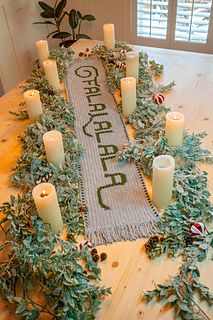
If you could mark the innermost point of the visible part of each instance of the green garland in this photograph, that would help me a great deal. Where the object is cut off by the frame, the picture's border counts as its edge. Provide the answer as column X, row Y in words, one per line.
column 63, row 275
column 191, row 196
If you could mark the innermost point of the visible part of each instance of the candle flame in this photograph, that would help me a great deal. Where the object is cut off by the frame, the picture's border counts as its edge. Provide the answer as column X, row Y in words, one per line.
column 32, row 93
column 176, row 117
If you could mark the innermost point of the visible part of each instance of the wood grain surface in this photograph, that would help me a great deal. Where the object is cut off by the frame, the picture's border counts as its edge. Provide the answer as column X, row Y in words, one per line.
column 127, row 269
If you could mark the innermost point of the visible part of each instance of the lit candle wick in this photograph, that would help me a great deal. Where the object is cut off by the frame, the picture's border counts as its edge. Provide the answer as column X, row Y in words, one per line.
column 43, row 194
column 32, row 93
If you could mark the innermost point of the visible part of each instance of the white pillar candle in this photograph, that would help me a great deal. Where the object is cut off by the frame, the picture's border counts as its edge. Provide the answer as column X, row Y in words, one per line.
column 51, row 73
column 128, row 94
column 54, row 149
column 174, row 128
column 45, row 198
column 132, row 64
column 43, row 51
column 162, row 180
column 109, row 35
column 33, row 103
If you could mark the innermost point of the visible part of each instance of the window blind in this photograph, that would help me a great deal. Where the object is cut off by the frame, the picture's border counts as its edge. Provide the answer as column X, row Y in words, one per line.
column 192, row 20
column 152, row 17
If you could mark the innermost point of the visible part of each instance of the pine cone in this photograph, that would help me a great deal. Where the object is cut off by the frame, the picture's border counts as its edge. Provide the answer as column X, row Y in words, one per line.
column 151, row 243
column 188, row 239
column 94, row 251
column 103, row 256
column 95, row 257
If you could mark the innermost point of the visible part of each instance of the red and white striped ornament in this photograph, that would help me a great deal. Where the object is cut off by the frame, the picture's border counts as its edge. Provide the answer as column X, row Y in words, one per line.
column 85, row 243
column 197, row 229
column 123, row 52
column 158, row 98
column 120, row 65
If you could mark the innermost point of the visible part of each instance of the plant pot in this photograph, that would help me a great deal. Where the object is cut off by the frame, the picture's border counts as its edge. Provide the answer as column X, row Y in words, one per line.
column 66, row 43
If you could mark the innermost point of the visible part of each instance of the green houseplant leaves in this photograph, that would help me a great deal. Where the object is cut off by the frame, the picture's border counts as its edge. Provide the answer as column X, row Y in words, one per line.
column 57, row 14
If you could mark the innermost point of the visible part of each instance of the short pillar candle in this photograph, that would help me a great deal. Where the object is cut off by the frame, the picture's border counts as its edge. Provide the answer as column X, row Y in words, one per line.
column 128, row 95
column 33, row 103
column 54, row 149
column 109, row 35
column 174, row 128
column 162, row 180
column 132, row 64
column 45, row 198
column 51, row 73
column 43, row 51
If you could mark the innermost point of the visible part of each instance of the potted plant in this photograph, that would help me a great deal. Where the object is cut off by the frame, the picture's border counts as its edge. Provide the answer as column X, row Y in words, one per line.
column 56, row 14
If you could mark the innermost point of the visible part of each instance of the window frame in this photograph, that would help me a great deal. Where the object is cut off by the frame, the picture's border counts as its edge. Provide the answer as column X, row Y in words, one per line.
column 170, row 42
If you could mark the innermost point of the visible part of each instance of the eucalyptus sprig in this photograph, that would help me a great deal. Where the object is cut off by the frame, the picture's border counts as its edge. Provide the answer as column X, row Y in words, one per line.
column 63, row 274
column 191, row 203
column 179, row 292
column 34, row 256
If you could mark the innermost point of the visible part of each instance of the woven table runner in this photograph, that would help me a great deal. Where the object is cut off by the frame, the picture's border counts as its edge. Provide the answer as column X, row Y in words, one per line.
column 118, row 203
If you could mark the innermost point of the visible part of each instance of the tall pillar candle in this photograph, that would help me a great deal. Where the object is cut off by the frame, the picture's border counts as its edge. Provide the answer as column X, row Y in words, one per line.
column 51, row 73
column 45, row 198
column 128, row 94
column 33, row 103
column 162, row 180
column 43, row 51
column 132, row 64
column 174, row 128
column 54, row 149
column 109, row 35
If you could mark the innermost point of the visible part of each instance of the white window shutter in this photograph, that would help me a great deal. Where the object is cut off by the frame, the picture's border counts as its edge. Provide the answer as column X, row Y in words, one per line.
column 152, row 18
column 192, row 20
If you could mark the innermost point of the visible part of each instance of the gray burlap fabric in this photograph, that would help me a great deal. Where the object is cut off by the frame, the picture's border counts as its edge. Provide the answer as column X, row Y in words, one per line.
column 115, row 194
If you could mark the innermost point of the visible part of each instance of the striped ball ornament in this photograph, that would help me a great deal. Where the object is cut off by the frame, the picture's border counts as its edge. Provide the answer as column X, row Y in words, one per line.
column 85, row 244
column 158, row 98
column 197, row 229
column 119, row 64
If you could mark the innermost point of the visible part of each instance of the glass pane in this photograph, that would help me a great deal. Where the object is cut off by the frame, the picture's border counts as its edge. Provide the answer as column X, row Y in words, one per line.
column 192, row 20
column 152, row 16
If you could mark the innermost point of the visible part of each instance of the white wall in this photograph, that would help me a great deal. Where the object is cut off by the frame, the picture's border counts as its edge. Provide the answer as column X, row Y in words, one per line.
column 17, row 39
column 105, row 11
column 18, row 34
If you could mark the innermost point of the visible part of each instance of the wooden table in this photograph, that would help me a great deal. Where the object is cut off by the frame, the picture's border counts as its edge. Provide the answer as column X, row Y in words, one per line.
column 193, row 96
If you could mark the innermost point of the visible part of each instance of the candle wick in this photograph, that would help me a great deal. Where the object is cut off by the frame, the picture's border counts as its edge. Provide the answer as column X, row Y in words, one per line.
column 43, row 194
